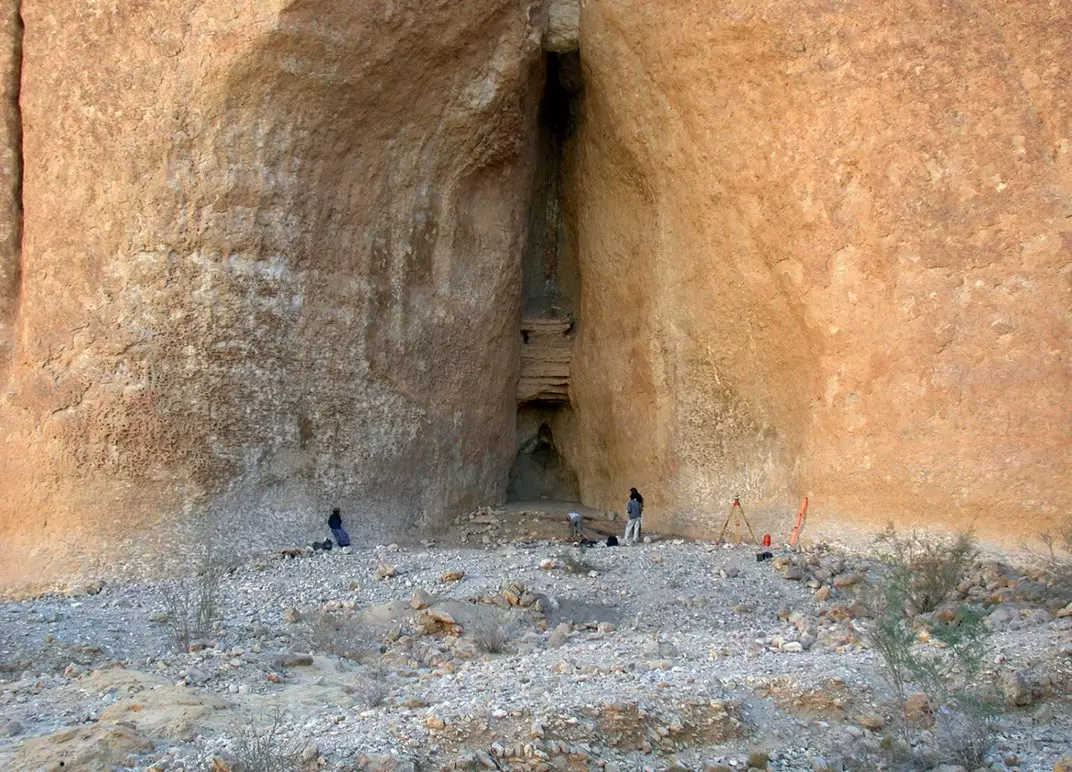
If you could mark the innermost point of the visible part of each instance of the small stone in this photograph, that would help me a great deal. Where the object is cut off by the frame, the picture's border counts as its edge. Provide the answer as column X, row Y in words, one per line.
column 294, row 659
column 159, row 617
column 794, row 572
column 1064, row 764
column 291, row 615
column 386, row 571
column 822, row 593
column 421, row 599
column 548, row 563
column 1015, row 689
column 435, row 722
column 846, row 580
column 452, row 576
column 311, row 753
column 559, row 636
column 758, row 759
column 440, row 617
column 871, row 721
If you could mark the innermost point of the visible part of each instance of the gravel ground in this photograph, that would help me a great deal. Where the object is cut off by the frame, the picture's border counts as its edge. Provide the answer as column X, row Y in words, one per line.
column 673, row 654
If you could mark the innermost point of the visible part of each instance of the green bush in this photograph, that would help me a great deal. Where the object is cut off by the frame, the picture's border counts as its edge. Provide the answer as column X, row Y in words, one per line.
column 943, row 660
column 927, row 567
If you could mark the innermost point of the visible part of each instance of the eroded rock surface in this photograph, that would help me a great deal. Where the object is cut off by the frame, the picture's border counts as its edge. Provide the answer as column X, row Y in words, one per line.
column 263, row 259
column 271, row 265
column 825, row 250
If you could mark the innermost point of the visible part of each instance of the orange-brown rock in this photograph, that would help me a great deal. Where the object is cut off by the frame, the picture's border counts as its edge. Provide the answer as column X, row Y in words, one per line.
column 260, row 259
column 10, row 176
column 826, row 250
column 271, row 265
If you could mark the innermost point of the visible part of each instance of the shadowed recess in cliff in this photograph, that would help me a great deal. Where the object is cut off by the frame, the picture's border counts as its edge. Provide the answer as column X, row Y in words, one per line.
column 11, row 32
column 550, row 291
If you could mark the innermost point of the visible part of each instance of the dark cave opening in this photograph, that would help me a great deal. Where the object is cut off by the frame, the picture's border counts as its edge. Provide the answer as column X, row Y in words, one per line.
column 550, row 294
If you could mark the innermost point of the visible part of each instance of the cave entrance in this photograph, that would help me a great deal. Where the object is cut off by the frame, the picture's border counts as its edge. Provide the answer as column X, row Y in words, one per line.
column 550, row 296
column 540, row 472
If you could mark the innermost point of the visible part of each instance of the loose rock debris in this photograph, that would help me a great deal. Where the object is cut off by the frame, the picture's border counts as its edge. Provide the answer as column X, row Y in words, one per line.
column 672, row 655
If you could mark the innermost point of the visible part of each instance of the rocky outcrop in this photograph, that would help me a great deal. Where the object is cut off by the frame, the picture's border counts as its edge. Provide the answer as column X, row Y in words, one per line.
column 826, row 251
column 545, row 360
column 261, row 260
column 272, row 264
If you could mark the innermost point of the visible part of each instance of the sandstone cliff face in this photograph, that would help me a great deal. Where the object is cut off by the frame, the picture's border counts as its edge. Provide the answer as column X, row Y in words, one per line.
column 260, row 259
column 271, row 264
column 826, row 250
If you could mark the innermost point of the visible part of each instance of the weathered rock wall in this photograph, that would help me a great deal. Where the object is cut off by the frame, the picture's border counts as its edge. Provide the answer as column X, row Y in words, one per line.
column 825, row 250
column 10, row 176
column 259, row 259
column 272, row 264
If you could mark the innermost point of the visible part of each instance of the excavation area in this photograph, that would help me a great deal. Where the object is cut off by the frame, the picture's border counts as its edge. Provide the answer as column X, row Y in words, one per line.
column 504, row 646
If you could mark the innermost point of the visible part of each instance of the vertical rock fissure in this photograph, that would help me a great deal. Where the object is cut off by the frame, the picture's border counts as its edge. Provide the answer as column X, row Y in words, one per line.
column 11, row 174
column 550, row 295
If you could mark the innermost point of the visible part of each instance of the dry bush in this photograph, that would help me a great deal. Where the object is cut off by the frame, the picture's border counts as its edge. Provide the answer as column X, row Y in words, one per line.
column 344, row 635
column 492, row 631
column 371, row 690
column 927, row 566
column 193, row 604
column 572, row 563
column 1055, row 559
column 263, row 749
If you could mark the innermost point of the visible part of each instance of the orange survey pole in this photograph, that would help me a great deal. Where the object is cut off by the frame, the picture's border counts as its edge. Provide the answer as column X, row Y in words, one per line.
column 801, row 515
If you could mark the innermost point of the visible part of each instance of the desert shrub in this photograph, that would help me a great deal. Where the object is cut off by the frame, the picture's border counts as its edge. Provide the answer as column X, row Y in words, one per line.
column 371, row 689
column 192, row 604
column 947, row 672
column 572, row 563
column 264, row 749
column 491, row 632
column 1055, row 558
column 926, row 567
column 344, row 635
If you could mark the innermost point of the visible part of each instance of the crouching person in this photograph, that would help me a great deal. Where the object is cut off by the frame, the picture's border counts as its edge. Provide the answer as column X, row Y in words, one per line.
column 576, row 525
column 335, row 524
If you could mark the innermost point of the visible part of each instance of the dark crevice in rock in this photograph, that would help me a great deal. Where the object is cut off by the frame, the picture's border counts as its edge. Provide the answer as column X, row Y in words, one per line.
column 11, row 197
column 540, row 471
column 550, row 293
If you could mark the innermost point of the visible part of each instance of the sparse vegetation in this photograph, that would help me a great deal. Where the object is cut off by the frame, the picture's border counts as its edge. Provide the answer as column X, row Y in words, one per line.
column 572, row 563
column 371, row 691
column 344, row 635
column 1055, row 559
column 193, row 604
column 263, row 749
column 926, row 567
column 947, row 673
column 491, row 632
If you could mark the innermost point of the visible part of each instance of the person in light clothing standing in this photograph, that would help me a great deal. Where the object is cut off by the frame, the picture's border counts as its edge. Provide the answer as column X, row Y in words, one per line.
column 635, row 510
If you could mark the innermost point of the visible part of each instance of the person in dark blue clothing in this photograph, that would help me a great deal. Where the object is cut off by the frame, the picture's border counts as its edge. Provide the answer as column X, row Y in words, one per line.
column 335, row 524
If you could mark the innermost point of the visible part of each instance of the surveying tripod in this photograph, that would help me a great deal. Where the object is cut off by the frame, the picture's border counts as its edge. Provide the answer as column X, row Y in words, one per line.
column 736, row 511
